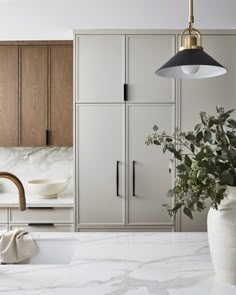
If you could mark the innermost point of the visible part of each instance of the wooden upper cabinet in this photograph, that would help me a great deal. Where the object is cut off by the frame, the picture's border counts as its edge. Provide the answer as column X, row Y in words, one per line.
column 61, row 96
column 33, row 95
column 9, row 96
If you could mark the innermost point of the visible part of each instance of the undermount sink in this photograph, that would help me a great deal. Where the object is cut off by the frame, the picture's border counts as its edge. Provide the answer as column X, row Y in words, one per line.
column 54, row 251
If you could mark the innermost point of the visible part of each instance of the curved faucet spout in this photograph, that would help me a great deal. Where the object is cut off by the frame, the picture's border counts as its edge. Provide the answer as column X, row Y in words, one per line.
column 19, row 185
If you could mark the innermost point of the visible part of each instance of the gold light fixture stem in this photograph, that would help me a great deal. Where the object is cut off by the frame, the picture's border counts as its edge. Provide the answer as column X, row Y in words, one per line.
column 191, row 17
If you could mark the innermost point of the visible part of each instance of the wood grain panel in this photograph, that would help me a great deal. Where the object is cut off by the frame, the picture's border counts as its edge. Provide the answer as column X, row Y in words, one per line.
column 61, row 96
column 8, row 96
column 33, row 95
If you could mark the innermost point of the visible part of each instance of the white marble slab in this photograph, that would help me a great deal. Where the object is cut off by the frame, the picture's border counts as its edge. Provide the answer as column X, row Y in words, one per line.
column 11, row 200
column 29, row 163
column 122, row 264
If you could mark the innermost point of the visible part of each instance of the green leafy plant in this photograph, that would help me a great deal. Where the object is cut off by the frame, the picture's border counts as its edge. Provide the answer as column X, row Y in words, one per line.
column 206, row 160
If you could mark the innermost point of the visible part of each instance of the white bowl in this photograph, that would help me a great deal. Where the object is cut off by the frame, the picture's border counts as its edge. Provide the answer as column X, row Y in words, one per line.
column 47, row 188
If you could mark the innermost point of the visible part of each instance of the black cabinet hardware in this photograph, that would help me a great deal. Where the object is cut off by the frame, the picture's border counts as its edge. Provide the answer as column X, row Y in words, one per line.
column 40, row 208
column 125, row 92
column 117, row 179
column 133, row 178
column 40, row 224
column 47, row 137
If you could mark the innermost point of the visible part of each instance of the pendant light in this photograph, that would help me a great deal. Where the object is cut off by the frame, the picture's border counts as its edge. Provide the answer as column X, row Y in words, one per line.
column 191, row 62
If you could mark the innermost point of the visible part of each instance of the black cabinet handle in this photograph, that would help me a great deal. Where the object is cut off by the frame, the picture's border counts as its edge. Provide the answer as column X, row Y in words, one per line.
column 117, row 179
column 125, row 92
column 47, row 137
column 40, row 208
column 133, row 178
column 40, row 224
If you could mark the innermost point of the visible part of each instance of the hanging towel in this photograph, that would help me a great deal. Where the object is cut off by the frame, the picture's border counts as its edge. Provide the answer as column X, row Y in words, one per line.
column 16, row 246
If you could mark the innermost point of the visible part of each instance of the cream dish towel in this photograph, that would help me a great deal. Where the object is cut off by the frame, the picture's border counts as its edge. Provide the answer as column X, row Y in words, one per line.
column 16, row 246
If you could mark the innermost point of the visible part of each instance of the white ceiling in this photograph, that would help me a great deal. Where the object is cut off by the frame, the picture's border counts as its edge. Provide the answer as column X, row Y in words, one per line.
column 56, row 19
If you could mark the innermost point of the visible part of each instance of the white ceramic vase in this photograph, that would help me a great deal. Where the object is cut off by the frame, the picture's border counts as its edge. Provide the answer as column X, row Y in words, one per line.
column 221, row 226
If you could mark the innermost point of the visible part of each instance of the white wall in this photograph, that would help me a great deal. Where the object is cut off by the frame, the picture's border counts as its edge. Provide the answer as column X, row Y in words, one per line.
column 56, row 19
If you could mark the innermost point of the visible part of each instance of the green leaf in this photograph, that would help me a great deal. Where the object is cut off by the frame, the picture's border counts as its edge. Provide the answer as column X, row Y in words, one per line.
column 207, row 136
column 188, row 212
column 166, row 205
column 156, row 142
column 230, row 111
column 155, row 128
column 200, row 206
column 232, row 123
column 190, row 136
column 168, row 139
column 200, row 156
column 181, row 168
column 192, row 147
column 211, row 123
column 177, row 155
column 187, row 161
column 198, row 126
column 199, row 136
column 170, row 193
column 177, row 206
column 227, row 177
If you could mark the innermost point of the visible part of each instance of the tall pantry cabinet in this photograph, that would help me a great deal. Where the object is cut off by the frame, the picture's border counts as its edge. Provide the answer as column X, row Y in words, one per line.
column 121, row 183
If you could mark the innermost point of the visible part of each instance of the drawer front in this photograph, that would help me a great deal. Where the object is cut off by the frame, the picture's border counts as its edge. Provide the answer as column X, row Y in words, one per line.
column 42, row 215
column 3, row 227
column 3, row 215
column 45, row 228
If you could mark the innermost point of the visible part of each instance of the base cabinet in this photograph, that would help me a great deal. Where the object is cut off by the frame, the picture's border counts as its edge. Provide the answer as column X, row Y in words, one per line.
column 44, row 227
column 121, row 182
column 38, row 219
column 148, row 176
column 100, row 164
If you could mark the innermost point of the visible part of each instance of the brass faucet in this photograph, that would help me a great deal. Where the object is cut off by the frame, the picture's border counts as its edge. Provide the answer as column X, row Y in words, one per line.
column 19, row 186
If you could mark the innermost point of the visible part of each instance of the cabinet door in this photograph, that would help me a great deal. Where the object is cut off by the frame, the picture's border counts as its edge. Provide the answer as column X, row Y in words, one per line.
column 205, row 95
column 100, row 164
column 149, row 178
column 145, row 54
column 100, row 68
column 61, row 96
column 33, row 95
column 9, row 95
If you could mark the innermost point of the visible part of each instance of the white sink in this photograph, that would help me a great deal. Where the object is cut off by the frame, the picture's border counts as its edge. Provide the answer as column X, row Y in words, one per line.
column 54, row 251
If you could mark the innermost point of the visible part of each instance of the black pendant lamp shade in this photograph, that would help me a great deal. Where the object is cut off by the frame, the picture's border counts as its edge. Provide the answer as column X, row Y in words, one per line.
column 191, row 64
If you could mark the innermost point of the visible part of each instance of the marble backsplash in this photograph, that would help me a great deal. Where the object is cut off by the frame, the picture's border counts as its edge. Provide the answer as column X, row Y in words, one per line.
column 30, row 163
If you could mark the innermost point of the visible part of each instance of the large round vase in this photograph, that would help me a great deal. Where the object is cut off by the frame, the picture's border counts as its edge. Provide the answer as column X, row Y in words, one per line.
column 221, row 226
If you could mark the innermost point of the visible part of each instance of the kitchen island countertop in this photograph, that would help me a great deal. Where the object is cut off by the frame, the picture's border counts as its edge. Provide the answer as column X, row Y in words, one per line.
column 122, row 264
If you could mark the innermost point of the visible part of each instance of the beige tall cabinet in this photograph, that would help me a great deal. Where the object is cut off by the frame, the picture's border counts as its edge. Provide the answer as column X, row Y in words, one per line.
column 120, row 182
column 118, row 99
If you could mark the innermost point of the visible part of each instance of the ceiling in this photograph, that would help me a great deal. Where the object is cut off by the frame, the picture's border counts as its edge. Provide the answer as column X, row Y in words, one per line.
column 56, row 19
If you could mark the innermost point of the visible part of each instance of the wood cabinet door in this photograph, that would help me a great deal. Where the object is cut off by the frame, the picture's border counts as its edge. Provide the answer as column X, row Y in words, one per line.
column 148, row 175
column 100, row 68
column 100, row 160
column 33, row 95
column 9, row 96
column 144, row 55
column 61, row 96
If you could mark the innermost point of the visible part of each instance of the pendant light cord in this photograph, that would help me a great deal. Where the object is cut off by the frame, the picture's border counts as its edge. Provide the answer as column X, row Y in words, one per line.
column 191, row 17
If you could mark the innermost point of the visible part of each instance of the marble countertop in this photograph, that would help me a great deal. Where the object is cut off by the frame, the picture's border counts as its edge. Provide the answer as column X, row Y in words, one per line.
column 10, row 200
column 122, row 264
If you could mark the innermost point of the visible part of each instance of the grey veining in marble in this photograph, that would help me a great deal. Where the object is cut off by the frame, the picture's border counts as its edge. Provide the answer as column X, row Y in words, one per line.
column 123, row 264
column 30, row 163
